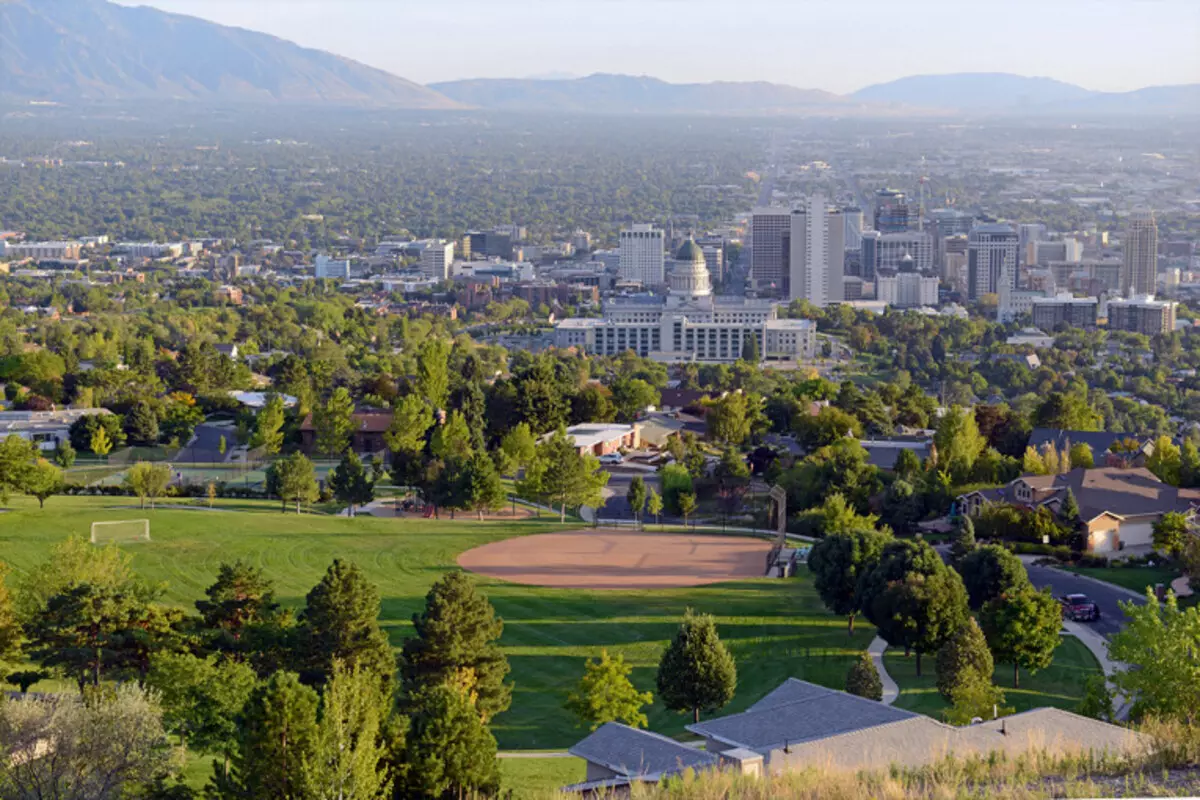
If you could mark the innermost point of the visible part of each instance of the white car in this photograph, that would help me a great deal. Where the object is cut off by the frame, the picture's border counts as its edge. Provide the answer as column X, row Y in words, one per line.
column 612, row 458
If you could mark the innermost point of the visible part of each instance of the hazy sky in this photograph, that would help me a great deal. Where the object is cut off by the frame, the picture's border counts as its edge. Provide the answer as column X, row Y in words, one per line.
column 838, row 45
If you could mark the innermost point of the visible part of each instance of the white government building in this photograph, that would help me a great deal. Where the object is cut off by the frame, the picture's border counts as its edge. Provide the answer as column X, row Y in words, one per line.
column 689, row 323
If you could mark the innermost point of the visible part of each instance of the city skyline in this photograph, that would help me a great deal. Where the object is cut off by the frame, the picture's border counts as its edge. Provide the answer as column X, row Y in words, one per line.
column 1071, row 40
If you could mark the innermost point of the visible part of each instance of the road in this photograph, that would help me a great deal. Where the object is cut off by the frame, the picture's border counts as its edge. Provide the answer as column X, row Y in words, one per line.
column 616, row 506
column 1112, row 619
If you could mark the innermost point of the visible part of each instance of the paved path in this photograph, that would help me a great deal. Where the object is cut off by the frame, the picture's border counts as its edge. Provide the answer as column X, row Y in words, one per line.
column 1180, row 587
column 1099, row 647
column 890, row 690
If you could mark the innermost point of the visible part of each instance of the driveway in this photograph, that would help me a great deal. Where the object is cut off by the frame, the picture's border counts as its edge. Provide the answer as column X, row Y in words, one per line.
column 615, row 505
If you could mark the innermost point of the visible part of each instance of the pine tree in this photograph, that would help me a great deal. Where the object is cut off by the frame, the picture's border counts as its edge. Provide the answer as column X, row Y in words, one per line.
column 1068, row 512
column 863, row 679
column 340, row 622
column 277, row 738
column 964, row 652
column 456, row 639
column 483, row 490
column 351, row 483
column 750, row 350
column 448, row 750
column 964, row 539
column 605, row 694
column 349, row 757
column 268, row 426
column 241, row 596
column 433, row 373
column 697, row 672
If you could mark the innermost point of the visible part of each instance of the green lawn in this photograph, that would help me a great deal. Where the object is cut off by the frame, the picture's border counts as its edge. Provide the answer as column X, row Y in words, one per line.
column 1060, row 685
column 534, row 778
column 774, row 628
column 1133, row 578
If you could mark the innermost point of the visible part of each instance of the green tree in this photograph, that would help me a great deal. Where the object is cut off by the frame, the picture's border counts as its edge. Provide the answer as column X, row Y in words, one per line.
column 1066, row 412
column 42, row 479
column 1159, row 644
column 448, row 750
column 1170, row 534
column 433, row 373
column 482, row 487
column 907, row 464
column 456, row 641
column 141, row 424
column 293, row 480
column 64, row 454
column 1068, row 512
column 268, row 426
column 750, row 350
column 1081, row 456
column 838, row 562
column 964, row 540
column 863, row 679
column 84, row 429
column 1022, row 629
column 991, row 571
column 340, row 623
column 333, row 422
column 965, row 654
column 16, row 458
column 1166, row 461
column 351, row 482
column 1189, row 464
column 687, row 505
column 697, row 672
column 100, row 443
column 349, row 758
column 519, row 447
column 241, row 596
column 201, row 698
column 277, row 737
column 898, row 558
column 452, row 441
column 570, row 479
column 829, row 426
column 973, row 698
column 728, row 419
column 958, row 442
column 147, row 480
column 636, row 497
column 632, row 396
column 1097, row 701
column 654, row 503
column 605, row 694
column 411, row 420
column 921, row 612
column 11, row 633
column 75, row 562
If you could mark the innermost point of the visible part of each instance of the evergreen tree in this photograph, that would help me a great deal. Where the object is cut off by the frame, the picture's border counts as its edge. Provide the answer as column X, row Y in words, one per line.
column 991, row 571
column 141, row 424
column 863, row 679
column 483, row 491
column 636, row 497
column 64, row 454
column 406, row 438
column 964, row 652
column 349, row 757
column 605, row 694
column 276, row 739
column 333, row 423
column 241, row 596
column 750, row 350
column 974, row 698
column 907, row 464
column 452, row 441
column 268, row 426
column 964, row 539
column 351, row 483
column 448, row 750
column 456, row 640
column 340, row 622
column 1189, row 464
column 1068, row 512
column 1022, row 629
column 433, row 372
column 697, row 672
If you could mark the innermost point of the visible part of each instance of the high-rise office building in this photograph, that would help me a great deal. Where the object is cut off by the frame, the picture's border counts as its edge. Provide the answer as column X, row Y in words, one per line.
column 891, row 211
column 869, row 258
column 437, row 256
column 852, row 216
column 1142, row 314
column 642, row 257
column 326, row 267
column 1140, row 272
column 768, row 229
column 991, row 260
column 817, row 251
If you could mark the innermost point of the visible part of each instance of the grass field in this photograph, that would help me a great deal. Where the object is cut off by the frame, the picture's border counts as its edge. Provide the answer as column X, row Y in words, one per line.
column 774, row 628
column 1133, row 578
column 536, row 778
column 1061, row 685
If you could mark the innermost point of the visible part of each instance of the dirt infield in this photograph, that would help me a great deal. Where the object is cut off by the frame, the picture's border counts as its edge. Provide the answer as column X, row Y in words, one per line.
column 617, row 559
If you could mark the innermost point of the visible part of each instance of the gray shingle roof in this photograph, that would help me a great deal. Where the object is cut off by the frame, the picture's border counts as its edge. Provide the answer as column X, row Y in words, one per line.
column 1123, row 492
column 633, row 752
column 798, row 712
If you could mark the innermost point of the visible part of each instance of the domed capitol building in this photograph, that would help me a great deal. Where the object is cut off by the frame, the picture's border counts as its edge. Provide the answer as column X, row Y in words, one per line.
column 689, row 323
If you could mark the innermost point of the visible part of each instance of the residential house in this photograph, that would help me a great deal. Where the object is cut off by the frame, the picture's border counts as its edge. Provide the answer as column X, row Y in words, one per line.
column 1118, row 506
column 46, row 429
column 599, row 439
column 1100, row 443
column 801, row 725
column 883, row 453
column 367, row 438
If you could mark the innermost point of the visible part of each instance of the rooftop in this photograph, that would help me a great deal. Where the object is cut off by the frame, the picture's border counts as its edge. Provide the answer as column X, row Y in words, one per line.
column 632, row 752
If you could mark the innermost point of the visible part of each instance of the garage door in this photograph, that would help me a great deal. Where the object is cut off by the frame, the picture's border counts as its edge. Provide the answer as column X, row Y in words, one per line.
column 1139, row 534
column 1104, row 541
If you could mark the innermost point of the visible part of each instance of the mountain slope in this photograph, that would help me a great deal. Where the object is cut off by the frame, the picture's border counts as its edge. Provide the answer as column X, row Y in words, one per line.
column 974, row 91
column 628, row 94
column 1183, row 99
column 94, row 50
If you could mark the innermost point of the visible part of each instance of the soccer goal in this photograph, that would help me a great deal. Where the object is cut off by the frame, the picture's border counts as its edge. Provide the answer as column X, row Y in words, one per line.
column 121, row 531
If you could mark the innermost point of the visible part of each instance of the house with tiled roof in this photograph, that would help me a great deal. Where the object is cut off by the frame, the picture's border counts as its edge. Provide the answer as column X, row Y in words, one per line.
column 1118, row 506
column 801, row 725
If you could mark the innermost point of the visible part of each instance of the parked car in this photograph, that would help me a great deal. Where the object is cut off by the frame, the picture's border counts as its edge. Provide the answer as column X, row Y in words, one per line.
column 1079, row 607
column 612, row 458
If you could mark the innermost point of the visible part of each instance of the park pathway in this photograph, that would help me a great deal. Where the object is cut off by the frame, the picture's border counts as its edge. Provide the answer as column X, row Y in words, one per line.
column 890, row 690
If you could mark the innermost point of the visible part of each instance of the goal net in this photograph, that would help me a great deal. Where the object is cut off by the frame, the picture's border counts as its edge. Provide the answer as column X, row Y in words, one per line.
column 121, row 531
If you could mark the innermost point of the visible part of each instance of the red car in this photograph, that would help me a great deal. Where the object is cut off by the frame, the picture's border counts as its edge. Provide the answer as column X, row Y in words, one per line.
column 1079, row 607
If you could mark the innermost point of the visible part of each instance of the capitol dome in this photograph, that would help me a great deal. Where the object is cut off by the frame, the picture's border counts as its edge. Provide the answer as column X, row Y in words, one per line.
column 690, row 274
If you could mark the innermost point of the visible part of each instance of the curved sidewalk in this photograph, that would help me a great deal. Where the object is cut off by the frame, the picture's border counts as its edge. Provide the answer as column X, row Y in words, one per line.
column 890, row 690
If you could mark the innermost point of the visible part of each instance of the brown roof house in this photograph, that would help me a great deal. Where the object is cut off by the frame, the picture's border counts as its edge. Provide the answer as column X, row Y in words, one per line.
column 1118, row 506
column 801, row 725
column 367, row 439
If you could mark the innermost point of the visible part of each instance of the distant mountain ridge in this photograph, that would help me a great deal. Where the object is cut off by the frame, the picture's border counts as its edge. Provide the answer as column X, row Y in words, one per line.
column 1002, row 92
column 69, row 50
column 631, row 94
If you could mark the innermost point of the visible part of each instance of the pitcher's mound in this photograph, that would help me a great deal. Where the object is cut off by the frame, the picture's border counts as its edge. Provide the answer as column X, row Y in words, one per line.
column 614, row 559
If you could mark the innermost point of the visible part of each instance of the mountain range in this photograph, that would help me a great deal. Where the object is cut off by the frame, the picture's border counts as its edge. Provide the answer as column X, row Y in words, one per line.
column 94, row 50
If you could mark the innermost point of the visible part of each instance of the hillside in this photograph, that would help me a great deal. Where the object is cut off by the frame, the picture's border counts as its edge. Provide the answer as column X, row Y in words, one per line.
column 71, row 50
column 628, row 94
